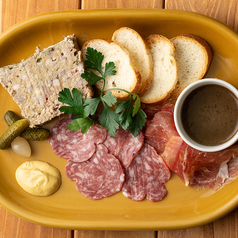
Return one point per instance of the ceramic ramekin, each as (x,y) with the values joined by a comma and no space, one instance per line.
(178,109)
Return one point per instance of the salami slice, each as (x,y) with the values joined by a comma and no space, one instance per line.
(99,177)
(124,145)
(146,176)
(73,145)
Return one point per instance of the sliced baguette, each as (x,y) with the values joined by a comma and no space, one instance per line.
(164,69)
(127,76)
(140,53)
(193,56)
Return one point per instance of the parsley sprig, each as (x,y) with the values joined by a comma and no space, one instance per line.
(128,113)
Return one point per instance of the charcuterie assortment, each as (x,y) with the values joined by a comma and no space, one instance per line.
(117,133)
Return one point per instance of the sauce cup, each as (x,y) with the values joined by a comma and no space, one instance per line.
(178,115)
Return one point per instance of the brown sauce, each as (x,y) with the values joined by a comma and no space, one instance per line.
(210,115)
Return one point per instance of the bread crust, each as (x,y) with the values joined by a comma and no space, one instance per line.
(147,83)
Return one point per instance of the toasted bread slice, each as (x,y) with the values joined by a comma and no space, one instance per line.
(193,56)
(164,69)
(140,53)
(127,76)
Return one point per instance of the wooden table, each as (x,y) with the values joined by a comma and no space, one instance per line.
(13,11)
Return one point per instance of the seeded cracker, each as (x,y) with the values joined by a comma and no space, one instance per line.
(35,83)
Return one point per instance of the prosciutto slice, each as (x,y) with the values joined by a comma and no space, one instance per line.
(151,109)
(146,176)
(100,176)
(201,169)
(161,128)
(75,145)
(124,145)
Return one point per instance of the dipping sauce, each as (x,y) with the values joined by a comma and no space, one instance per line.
(210,115)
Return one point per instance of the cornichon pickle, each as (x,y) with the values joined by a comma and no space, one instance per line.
(10,117)
(12,132)
(37,134)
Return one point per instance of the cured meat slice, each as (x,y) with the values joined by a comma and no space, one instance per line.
(99,177)
(201,169)
(146,176)
(161,128)
(232,170)
(124,145)
(151,109)
(73,145)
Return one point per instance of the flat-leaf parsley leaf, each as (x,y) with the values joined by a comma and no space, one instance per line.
(91,105)
(109,119)
(80,123)
(74,101)
(128,114)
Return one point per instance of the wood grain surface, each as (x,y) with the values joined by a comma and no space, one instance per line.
(13,11)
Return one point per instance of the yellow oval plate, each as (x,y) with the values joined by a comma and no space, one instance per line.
(183,207)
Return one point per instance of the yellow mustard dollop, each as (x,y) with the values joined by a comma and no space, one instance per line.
(38,178)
